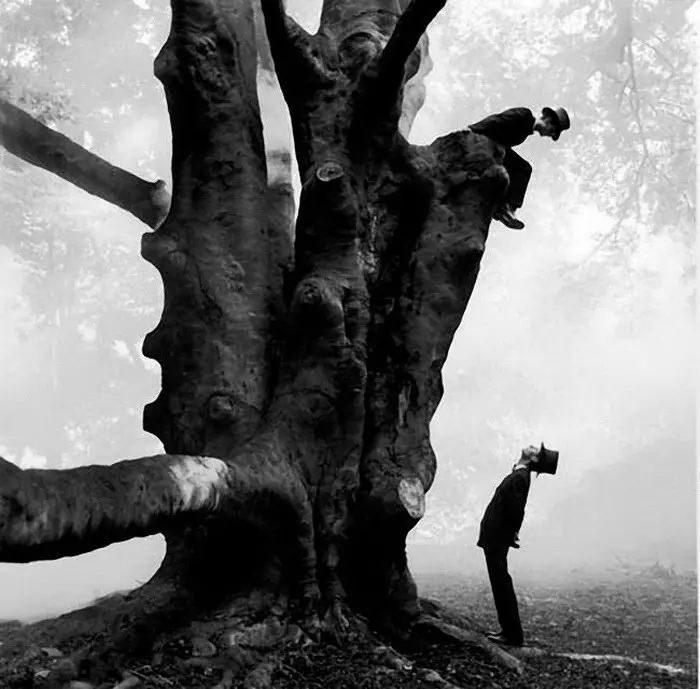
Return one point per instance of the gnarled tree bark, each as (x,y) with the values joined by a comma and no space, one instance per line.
(300,366)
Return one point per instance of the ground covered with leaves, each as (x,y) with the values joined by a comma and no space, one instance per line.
(648,616)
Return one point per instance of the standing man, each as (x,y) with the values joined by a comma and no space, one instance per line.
(510,128)
(499,531)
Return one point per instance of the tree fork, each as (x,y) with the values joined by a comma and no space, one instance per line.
(405,37)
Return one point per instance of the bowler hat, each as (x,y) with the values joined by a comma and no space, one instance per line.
(561,119)
(547,461)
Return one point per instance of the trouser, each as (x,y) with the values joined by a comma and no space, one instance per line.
(503,593)
(519,171)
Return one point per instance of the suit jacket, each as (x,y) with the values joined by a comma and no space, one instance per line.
(508,128)
(504,514)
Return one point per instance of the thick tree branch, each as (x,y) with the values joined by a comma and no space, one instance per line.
(289,45)
(40,145)
(282,31)
(434,211)
(411,25)
(426,294)
(49,514)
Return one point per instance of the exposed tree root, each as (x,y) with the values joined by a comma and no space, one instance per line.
(463,630)
(247,643)
(105,645)
(471,637)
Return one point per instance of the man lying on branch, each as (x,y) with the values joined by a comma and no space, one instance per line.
(510,128)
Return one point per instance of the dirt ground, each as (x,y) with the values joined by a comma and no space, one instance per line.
(649,616)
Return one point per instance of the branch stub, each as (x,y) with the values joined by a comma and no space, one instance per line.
(412,497)
(329,171)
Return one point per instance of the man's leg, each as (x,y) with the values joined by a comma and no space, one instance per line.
(519,171)
(504,595)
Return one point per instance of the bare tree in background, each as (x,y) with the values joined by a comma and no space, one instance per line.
(301,361)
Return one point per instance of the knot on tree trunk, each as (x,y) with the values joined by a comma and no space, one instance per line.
(318,304)
(163,252)
(226,409)
(351,374)
(474,248)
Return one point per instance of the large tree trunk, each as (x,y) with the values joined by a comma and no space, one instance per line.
(301,366)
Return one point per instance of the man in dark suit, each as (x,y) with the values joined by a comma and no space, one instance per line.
(510,128)
(499,531)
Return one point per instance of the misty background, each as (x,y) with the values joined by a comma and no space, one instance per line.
(580,332)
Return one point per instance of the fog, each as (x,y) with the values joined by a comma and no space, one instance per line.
(596,363)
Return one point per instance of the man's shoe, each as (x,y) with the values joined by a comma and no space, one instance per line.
(508,219)
(504,640)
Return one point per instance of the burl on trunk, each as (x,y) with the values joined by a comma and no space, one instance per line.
(301,363)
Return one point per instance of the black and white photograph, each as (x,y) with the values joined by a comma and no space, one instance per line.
(348,344)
